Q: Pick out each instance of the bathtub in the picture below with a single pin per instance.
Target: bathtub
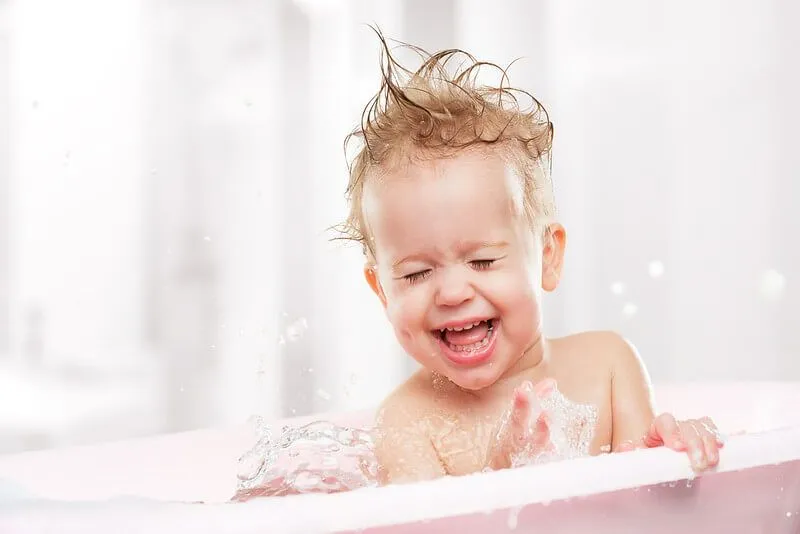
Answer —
(182, 483)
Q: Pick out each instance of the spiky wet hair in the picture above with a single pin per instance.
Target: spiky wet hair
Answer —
(438, 111)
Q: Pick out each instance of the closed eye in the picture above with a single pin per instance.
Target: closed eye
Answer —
(481, 265)
(417, 277)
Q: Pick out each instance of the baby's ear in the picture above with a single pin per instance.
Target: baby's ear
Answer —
(371, 276)
(554, 242)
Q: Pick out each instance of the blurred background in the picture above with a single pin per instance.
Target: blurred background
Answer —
(169, 169)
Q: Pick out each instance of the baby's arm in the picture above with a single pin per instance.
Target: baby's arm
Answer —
(634, 423)
(403, 446)
(631, 393)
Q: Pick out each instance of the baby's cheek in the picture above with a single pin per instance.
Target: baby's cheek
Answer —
(404, 320)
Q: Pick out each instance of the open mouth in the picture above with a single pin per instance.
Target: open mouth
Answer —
(468, 338)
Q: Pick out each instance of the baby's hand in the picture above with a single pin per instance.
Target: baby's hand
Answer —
(699, 438)
(525, 428)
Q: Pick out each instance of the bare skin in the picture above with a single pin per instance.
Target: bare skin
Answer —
(452, 251)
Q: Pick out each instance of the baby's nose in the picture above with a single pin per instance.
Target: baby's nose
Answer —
(453, 290)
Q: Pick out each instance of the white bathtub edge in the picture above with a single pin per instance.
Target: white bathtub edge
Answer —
(454, 496)
(447, 497)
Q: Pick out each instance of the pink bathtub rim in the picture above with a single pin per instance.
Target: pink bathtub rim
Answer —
(200, 466)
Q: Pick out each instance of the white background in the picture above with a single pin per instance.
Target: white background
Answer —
(168, 170)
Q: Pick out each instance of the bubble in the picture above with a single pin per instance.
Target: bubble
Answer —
(629, 309)
(572, 430)
(772, 284)
(295, 330)
(618, 288)
(655, 269)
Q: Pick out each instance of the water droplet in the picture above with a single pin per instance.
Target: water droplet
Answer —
(655, 269)
(153, 171)
(513, 518)
(689, 482)
(281, 340)
(241, 332)
(672, 484)
(310, 369)
(181, 389)
(324, 395)
(35, 104)
(353, 378)
(772, 285)
(605, 448)
(248, 103)
(788, 514)
(293, 410)
(207, 238)
(618, 288)
(222, 325)
(213, 347)
(630, 309)
(295, 330)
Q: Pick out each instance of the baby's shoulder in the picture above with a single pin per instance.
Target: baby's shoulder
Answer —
(410, 402)
(595, 350)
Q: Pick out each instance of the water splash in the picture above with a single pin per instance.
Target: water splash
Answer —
(319, 457)
(571, 430)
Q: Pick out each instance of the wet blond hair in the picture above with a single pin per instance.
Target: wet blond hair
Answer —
(434, 113)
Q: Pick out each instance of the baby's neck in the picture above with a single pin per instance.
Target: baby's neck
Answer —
(531, 365)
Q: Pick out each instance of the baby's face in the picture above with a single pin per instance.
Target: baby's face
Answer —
(458, 268)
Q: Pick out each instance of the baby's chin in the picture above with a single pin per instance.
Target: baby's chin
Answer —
(474, 379)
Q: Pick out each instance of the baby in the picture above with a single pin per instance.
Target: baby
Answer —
(451, 198)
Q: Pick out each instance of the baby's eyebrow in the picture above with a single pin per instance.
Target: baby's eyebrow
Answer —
(472, 246)
(406, 259)
(463, 247)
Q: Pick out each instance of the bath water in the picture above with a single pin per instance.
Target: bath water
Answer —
(321, 457)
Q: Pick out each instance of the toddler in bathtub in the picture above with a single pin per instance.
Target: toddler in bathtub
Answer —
(450, 196)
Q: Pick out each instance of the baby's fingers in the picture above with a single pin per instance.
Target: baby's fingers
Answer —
(541, 431)
(521, 411)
